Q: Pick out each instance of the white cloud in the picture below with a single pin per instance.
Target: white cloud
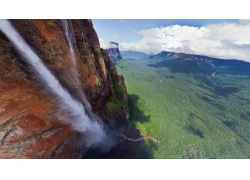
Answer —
(106, 44)
(245, 21)
(113, 36)
(224, 40)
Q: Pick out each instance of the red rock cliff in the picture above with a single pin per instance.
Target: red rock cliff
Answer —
(29, 115)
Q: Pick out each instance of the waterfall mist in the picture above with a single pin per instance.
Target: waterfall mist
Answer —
(91, 126)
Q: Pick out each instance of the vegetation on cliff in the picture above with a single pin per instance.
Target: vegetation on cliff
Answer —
(119, 100)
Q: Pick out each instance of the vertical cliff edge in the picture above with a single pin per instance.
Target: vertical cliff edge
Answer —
(31, 123)
(114, 52)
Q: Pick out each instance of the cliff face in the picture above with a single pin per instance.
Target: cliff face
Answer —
(30, 125)
(114, 52)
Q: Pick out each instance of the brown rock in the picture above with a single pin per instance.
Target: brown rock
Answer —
(30, 125)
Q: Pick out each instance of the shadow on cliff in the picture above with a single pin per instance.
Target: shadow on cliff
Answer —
(129, 149)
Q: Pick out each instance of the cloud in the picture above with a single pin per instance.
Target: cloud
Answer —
(113, 36)
(106, 44)
(223, 40)
(245, 21)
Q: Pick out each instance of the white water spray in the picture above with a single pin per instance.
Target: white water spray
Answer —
(79, 119)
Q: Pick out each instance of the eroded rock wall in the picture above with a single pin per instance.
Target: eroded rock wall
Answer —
(30, 125)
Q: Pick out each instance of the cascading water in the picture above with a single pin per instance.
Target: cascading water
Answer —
(69, 34)
(79, 120)
(68, 30)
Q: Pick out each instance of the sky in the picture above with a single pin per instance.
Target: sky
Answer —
(220, 38)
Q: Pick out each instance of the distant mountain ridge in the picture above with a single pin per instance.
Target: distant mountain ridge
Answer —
(209, 64)
(191, 57)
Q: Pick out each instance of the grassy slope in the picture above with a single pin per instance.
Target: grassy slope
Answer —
(190, 120)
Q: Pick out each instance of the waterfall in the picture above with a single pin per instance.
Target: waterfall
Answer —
(69, 34)
(78, 119)
(67, 27)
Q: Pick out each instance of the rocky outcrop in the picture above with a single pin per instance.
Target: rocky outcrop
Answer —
(30, 125)
(114, 52)
(117, 106)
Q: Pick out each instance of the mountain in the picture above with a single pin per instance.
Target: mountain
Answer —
(33, 123)
(114, 52)
(208, 64)
(132, 55)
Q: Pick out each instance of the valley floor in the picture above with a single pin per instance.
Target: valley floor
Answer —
(193, 115)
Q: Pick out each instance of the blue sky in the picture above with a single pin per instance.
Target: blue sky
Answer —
(221, 38)
(126, 30)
